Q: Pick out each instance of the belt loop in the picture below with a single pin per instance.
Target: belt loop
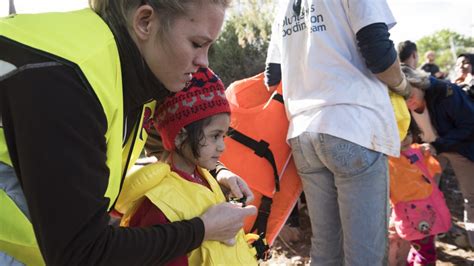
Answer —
(321, 137)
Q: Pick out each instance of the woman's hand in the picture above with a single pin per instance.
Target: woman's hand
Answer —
(223, 221)
(237, 186)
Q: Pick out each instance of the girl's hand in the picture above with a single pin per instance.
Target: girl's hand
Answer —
(237, 186)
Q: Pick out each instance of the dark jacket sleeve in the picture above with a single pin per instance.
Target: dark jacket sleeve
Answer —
(456, 128)
(376, 47)
(57, 128)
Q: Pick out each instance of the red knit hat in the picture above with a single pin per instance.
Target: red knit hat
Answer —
(203, 97)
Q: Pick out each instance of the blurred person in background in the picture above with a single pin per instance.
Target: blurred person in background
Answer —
(430, 66)
(408, 53)
(463, 70)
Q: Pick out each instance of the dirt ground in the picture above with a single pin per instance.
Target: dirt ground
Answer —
(286, 252)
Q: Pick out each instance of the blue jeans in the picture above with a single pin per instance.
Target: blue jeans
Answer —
(10, 184)
(346, 189)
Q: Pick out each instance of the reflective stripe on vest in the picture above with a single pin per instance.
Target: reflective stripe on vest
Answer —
(82, 40)
(179, 200)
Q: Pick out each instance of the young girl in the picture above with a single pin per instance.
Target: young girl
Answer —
(192, 125)
(419, 211)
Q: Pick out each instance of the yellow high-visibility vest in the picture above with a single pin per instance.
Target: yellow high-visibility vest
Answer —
(82, 40)
(180, 199)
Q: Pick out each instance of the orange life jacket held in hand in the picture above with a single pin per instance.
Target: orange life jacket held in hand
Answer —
(258, 152)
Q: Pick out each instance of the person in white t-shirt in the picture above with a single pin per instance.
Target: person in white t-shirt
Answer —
(336, 60)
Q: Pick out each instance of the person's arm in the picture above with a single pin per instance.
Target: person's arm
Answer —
(272, 74)
(235, 184)
(460, 110)
(381, 58)
(273, 61)
(437, 72)
(148, 215)
(231, 184)
(58, 129)
(395, 80)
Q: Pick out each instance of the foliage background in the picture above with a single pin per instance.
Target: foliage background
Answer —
(241, 49)
(448, 45)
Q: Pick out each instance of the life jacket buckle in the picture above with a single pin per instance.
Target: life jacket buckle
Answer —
(239, 200)
(259, 243)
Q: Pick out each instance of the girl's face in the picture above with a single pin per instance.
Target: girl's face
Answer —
(184, 47)
(213, 144)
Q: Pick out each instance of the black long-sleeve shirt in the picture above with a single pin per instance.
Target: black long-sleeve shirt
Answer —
(55, 130)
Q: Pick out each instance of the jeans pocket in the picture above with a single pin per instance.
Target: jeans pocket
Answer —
(347, 158)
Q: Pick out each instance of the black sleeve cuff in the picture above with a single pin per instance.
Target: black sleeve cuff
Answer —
(198, 225)
(376, 47)
(272, 74)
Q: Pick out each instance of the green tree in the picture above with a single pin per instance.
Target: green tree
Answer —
(446, 44)
(241, 49)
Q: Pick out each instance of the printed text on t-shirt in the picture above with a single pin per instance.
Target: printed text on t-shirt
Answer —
(299, 22)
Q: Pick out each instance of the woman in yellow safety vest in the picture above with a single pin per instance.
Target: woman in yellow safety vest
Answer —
(77, 93)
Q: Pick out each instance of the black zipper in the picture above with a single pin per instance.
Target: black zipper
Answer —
(137, 128)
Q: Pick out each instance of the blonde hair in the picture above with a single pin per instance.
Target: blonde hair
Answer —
(118, 10)
(428, 53)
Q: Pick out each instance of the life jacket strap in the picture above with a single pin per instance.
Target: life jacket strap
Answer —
(259, 243)
(278, 97)
(260, 224)
(260, 148)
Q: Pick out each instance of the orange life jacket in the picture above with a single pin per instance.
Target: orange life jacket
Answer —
(406, 179)
(258, 152)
